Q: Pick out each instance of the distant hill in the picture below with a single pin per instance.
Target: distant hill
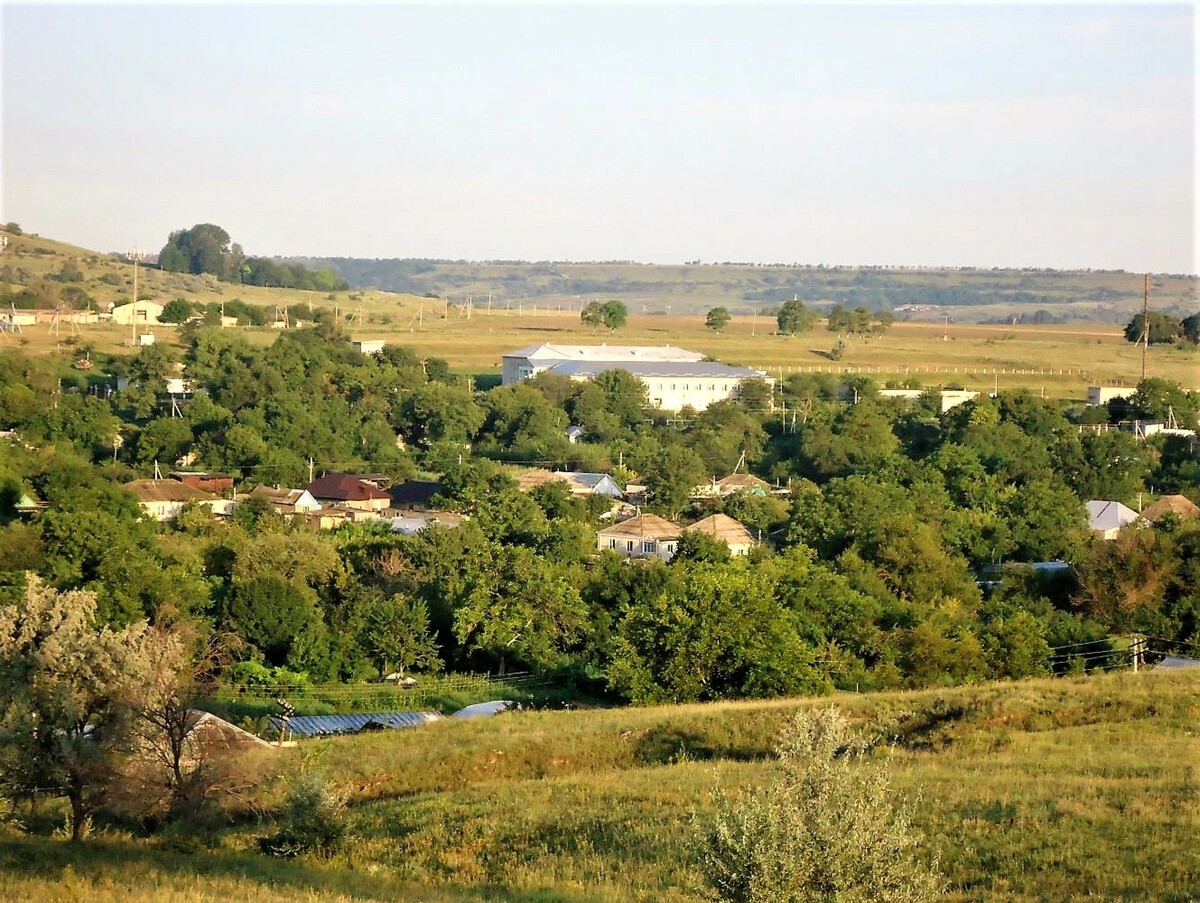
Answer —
(972, 295)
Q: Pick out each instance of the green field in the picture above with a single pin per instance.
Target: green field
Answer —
(1042, 790)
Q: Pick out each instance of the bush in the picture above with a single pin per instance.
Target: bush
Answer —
(312, 821)
(824, 829)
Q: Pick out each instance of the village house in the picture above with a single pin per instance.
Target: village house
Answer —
(644, 536)
(164, 499)
(1106, 519)
(350, 492)
(731, 532)
(415, 495)
(1178, 505)
(215, 483)
(286, 502)
(578, 483)
(732, 484)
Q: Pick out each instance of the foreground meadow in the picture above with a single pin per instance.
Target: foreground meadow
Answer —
(1042, 790)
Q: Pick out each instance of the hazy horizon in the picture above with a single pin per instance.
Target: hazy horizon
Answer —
(962, 136)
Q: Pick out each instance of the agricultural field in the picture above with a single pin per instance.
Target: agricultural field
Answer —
(1059, 360)
(1039, 790)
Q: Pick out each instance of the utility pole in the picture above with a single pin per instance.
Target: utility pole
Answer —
(136, 255)
(1145, 323)
(310, 469)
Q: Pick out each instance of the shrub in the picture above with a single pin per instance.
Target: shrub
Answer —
(312, 821)
(825, 829)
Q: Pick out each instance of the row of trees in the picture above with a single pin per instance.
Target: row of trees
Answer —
(1163, 329)
(206, 248)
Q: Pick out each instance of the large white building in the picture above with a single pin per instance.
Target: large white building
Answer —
(674, 377)
(533, 359)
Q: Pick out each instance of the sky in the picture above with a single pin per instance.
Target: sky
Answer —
(924, 135)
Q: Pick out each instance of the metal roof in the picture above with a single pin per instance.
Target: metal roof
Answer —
(485, 709)
(651, 369)
(321, 725)
(549, 351)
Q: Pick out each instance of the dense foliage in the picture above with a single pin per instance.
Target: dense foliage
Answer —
(206, 248)
(892, 553)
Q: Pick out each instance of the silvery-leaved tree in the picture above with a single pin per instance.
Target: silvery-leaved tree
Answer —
(826, 828)
(64, 718)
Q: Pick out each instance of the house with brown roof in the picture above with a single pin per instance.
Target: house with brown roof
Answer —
(349, 491)
(731, 532)
(644, 536)
(209, 482)
(164, 499)
(1179, 505)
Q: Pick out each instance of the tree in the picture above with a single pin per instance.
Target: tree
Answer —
(592, 315)
(717, 319)
(176, 310)
(793, 317)
(1189, 328)
(614, 314)
(1163, 328)
(162, 689)
(397, 635)
(825, 828)
(64, 719)
(715, 632)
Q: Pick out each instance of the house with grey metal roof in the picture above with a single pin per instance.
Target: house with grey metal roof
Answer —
(1106, 519)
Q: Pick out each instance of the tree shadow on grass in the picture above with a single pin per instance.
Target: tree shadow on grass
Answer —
(143, 865)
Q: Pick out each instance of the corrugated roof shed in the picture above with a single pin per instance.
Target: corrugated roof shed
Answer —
(325, 725)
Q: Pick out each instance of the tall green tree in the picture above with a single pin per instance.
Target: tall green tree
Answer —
(717, 319)
(793, 317)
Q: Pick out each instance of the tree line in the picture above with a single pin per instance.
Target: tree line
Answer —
(207, 248)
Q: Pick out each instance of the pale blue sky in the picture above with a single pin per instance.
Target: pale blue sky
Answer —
(962, 135)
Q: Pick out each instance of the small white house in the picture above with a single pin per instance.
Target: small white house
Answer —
(146, 312)
(369, 346)
(1098, 395)
(1106, 519)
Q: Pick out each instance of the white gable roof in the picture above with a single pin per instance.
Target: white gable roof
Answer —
(1105, 515)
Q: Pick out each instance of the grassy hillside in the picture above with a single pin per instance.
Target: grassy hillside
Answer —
(1044, 790)
(970, 295)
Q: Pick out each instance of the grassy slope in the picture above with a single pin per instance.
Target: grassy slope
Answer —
(1077, 295)
(1084, 353)
(1030, 791)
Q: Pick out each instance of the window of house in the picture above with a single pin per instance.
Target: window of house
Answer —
(612, 543)
(629, 546)
(648, 547)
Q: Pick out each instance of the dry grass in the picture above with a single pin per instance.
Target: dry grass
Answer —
(1040, 790)
(1058, 360)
